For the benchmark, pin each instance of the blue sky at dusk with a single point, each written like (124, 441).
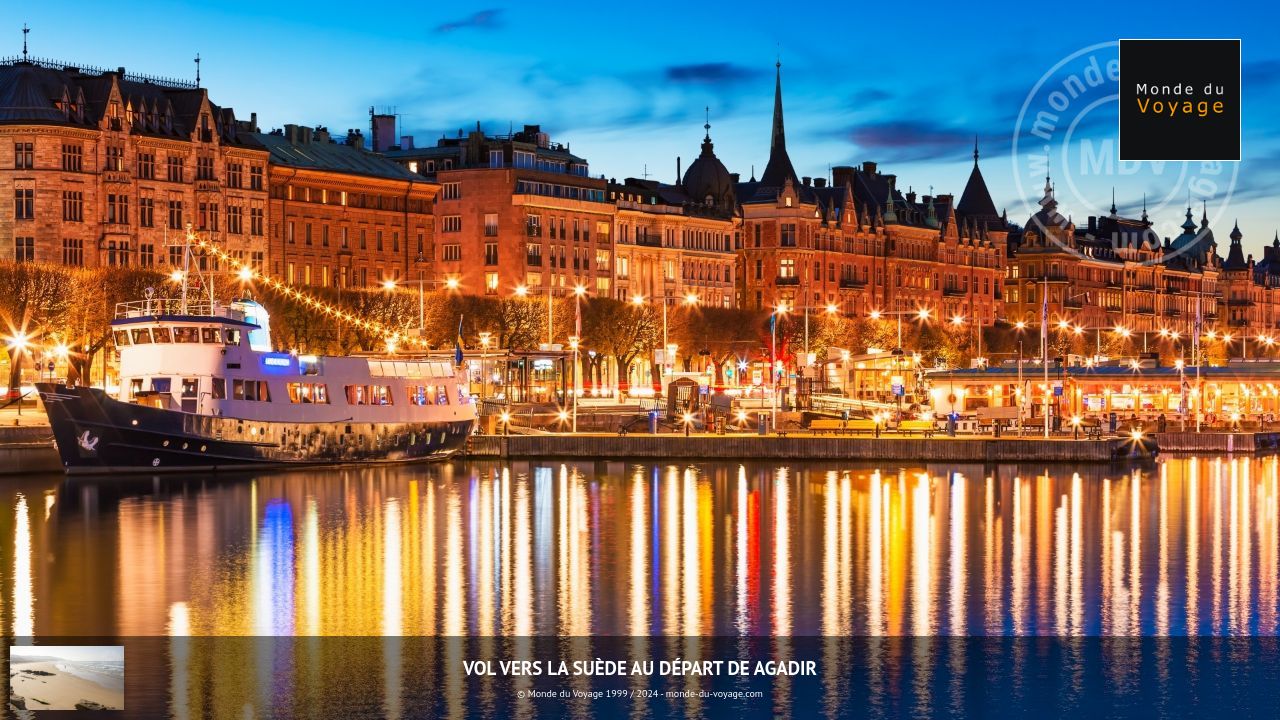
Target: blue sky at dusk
(905, 85)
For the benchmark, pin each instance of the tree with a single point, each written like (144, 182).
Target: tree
(95, 293)
(623, 331)
(34, 303)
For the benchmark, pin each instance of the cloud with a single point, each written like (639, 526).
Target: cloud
(710, 73)
(1261, 73)
(869, 96)
(490, 19)
(907, 140)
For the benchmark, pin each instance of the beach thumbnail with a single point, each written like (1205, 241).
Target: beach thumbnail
(66, 677)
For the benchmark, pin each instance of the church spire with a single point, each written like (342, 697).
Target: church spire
(779, 168)
(1113, 201)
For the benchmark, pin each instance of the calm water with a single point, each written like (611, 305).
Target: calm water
(639, 551)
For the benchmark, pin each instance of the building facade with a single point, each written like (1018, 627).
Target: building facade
(342, 216)
(109, 168)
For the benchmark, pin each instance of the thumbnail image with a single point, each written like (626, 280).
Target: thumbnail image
(69, 677)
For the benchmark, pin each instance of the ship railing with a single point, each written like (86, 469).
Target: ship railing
(172, 306)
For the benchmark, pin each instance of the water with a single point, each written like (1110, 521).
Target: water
(657, 561)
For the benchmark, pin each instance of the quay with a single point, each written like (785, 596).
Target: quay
(797, 446)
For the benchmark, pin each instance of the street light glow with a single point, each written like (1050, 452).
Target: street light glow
(522, 290)
(580, 290)
(388, 284)
(957, 320)
(451, 283)
(1021, 325)
(637, 299)
(246, 274)
(176, 276)
(691, 298)
(875, 314)
(833, 308)
(923, 313)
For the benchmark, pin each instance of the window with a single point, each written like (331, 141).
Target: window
(234, 220)
(24, 204)
(534, 254)
(491, 225)
(118, 254)
(24, 249)
(759, 269)
(175, 214)
(147, 166)
(72, 251)
(491, 283)
(308, 393)
(788, 234)
(186, 334)
(72, 206)
(115, 158)
(306, 233)
(173, 168)
(377, 237)
(452, 224)
(204, 167)
(219, 388)
(147, 212)
(491, 253)
(787, 268)
(602, 260)
(72, 157)
(146, 255)
(251, 390)
(118, 208)
(623, 267)
(24, 154)
(369, 395)
(234, 175)
(495, 158)
(255, 177)
(452, 191)
(256, 221)
(452, 253)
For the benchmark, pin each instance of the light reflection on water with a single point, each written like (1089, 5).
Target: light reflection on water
(664, 555)
(1187, 546)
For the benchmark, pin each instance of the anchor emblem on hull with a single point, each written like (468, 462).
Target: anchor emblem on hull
(87, 442)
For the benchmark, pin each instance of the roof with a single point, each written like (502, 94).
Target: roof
(779, 168)
(975, 201)
(304, 148)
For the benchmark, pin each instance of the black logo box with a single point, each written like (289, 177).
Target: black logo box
(1187, 68)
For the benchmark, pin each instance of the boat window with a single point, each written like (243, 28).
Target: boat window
(219, 389)
(253, 390)
(231, 336)
(161, 384)
(442, 395)
(141, 336)
(135, 387)
(368, 395)
(190, 387)
(308, 393)
(162, 334)
(210, 335)
(186, 334)
(418, 394)
(308, 365)
(463, 398)
(122, 338)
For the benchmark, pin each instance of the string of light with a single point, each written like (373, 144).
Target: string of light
(247, 273)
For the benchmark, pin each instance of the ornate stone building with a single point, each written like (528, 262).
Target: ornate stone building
(108, 168)
(862, 245)
(343, 216)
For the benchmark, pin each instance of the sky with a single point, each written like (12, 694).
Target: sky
(627, 86)
(83, 653)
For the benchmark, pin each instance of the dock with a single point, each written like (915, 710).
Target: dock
(802, 447)
(1220, 442)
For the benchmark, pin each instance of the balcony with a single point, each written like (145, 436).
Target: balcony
(649, 241)
(116, 176)
(1172, 312)
(1239, 302)
(953, 292)
(788, 280)
(533, 230)
(851, 283)
(534, 261)
(1144, 311)
(208, 186)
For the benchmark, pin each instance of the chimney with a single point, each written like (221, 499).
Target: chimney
(384, 131)
(1093, 225)
(735, 177)
(819, 182)
(291, 132)
(321, 134)
(355, 138)
(406, 142)
(868, 167)
(841, 175)
(120, 71)
(806, 180)
(911, 195)
(253, 121)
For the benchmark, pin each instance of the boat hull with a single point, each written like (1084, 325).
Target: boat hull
(98, 434)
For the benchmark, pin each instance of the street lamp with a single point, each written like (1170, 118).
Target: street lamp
(485, 337)
(245, 274)
(573, 343)
(773, 360)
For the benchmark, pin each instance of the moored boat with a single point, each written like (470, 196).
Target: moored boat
(201, 388)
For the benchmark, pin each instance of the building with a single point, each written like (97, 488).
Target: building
(516, 213)
(343, 216)
(109, 167)
(859, 244)
(679, 243)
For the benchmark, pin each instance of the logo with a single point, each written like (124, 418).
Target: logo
(1180, 100)
(87, 442)
(1067, 164)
